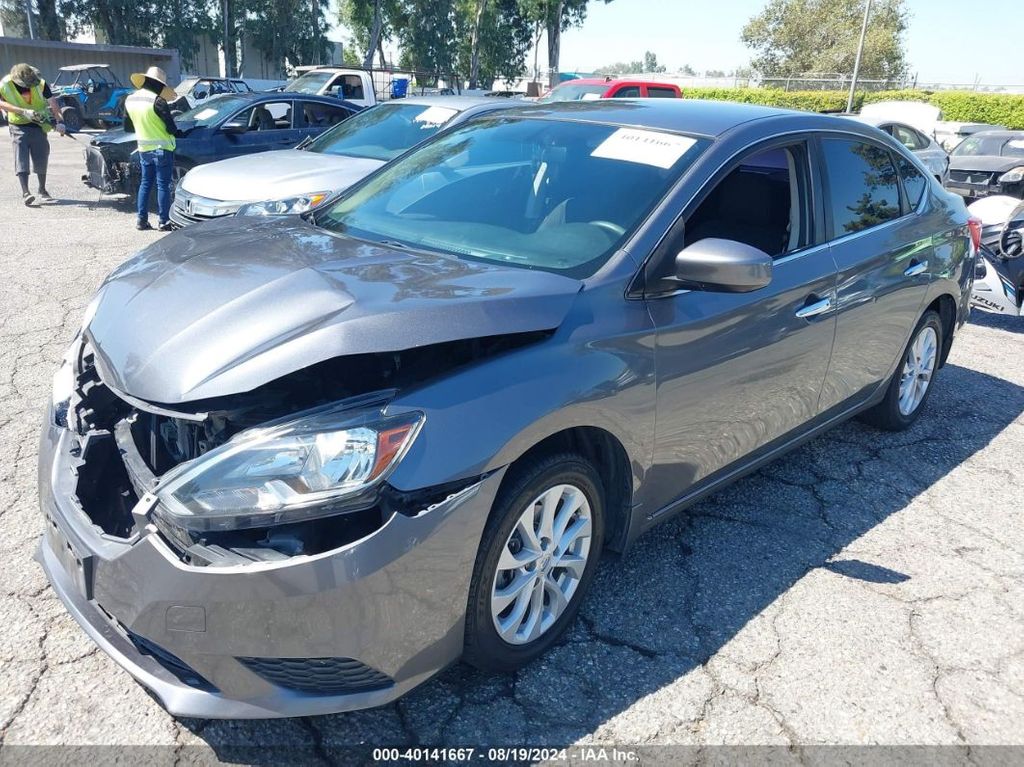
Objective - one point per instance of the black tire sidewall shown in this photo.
(484, 647)
(74, 124)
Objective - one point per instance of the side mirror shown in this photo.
(725, 266)
(200, 95)
(234, 128)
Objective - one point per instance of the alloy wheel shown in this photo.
(541, 564)
(918, 369)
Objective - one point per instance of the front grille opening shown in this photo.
(318, 676)
(104, 490)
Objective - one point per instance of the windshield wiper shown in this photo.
(304, 143)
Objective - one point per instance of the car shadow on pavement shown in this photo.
(673, 603)
(998, 321)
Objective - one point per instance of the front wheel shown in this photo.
(537, 557)
(911, 384)
(71, 118)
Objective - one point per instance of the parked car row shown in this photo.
(300, 463)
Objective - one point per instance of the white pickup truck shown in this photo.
(353, 85)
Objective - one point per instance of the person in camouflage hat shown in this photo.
(32, 112)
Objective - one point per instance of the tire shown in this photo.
(71, 118)
(567, 477)
(896, 413)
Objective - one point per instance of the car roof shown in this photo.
(707, 118)
(83, 67)
(281, 96)
(998, 134)
(460, 103)
(613, 81)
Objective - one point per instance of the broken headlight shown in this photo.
(289, 205)
(323, 463)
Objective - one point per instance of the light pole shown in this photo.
(28, 17)
(860, 50)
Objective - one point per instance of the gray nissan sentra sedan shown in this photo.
(300, 465)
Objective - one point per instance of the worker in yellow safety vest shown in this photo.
(148, 116)
(31, 113)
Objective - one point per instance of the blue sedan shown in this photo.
(224, 126)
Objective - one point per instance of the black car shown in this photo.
(990, 162)
(222, 127)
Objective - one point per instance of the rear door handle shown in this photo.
(916, 268)
(813, 310)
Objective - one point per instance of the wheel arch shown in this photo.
(945, 306)
(608, 455)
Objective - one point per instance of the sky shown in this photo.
(942, 39)
(949, 41)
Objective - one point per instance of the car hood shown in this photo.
(984, 162)
(115, 136)
(224, 307)
(275, 175)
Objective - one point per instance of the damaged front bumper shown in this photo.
(107, 177)
(350, 628)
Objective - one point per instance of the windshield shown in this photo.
(538, 194)
(67, 77)
(211, 111)
(383, 132)
(972, 146)
(311, 82)
(570, 92)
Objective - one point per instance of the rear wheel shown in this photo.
(537, 557)
(911, 384)
(71, 118)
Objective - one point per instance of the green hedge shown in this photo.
(961, 106)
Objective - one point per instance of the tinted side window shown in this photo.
(660, 93)
(862, 185)
(319, 115)
(627, 92)
(909, 137)
(914, 182)
(763, 202)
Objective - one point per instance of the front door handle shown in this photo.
(813, 310)
(915, 268)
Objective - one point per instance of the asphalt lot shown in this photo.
(868, 588)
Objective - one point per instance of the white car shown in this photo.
(915, 139)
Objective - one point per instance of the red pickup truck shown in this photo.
(601, 88)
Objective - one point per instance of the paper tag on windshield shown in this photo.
(204, 114)
(647, 147)
(590, 97)
(434, 116)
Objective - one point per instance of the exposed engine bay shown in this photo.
(125, 446)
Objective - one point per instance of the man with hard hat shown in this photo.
(26, 98)
(148, 116)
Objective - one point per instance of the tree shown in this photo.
(621, 68)
(555, 16)
(651, 63)
(150, 23)
(793, 37)
(501, 36)
(287, 30)
(371, 22)
(714, 73)
(428, 36)
(687, 70)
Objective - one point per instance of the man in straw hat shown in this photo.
(149, 117)
(26, 98)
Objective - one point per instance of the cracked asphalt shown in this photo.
(866, 589)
